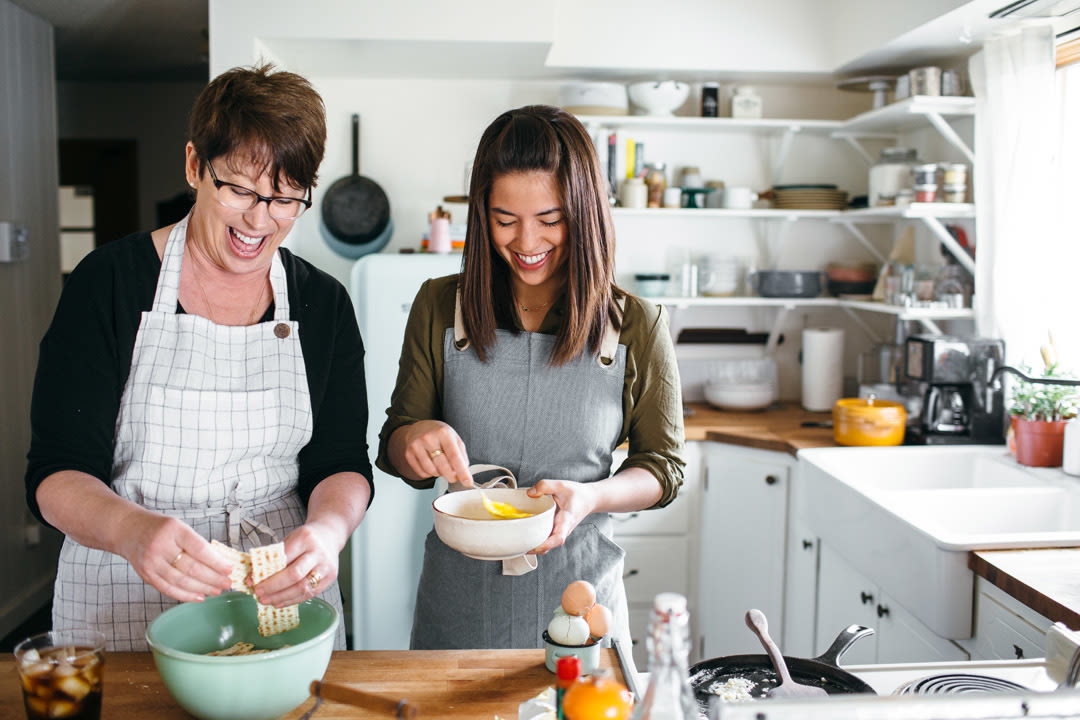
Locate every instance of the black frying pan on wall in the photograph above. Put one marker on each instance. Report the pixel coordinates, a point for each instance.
(355, 209)
(823, 671)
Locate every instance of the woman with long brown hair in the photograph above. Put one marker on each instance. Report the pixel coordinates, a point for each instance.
(534, 360)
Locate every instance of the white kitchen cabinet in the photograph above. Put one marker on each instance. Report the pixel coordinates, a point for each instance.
(1005, 629)
(846, 596)
(743, 535)
(800, 584)
(661, 551)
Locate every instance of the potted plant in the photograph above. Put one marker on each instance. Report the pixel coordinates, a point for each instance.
(1039, 413)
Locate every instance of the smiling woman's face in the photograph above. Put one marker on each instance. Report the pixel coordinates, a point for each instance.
(237, 241)
(528, 229)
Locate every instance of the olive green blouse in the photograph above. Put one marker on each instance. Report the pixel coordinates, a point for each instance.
(652, 396)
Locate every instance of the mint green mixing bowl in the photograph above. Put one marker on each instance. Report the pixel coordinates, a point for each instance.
(248, 687)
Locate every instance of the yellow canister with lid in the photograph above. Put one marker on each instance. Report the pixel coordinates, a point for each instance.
(868, 422)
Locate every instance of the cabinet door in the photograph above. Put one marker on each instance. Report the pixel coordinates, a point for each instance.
(904, 639)
(743, 532)
(800, 590)
(845, 597)
(1005, 629)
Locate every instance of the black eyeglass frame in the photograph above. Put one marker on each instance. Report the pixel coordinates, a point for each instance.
(218, 184)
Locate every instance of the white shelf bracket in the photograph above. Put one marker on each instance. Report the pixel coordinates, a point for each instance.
(782, 154)
(861, 237)
(863, 325)
(950, 135)
(929, 324)
(854, 142)
(774, 334)
(946, 239)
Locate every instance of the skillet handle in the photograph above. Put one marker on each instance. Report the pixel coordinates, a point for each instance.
(843, 643)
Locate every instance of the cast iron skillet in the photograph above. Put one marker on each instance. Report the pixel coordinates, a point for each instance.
(823, 671)
(355, 210)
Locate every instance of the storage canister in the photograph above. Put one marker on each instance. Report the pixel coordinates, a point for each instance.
(868, 422)
(925, 174)
(656, 182)
(925, 193)
(634, 193)
(925, 81)
(745, 103)
(954, 173)
(652, 284)
(891, 173)
(954, 193)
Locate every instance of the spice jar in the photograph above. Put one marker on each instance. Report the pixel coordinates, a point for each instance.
(710, 99)
(954, 173)
(891, 173)
(634, 193)
(656, 182)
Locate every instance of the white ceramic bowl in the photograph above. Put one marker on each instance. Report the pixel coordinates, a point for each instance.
(594, 98)
(740, 397)
(462, 522)
(661, 97)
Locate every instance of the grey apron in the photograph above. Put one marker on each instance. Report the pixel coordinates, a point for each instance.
(559, 423)
(210, 424)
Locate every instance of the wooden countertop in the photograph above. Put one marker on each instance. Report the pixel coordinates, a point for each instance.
(443, 683)
(1046, 580)
(778, 428)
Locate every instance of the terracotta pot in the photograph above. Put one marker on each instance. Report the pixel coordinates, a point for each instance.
(1038, 442)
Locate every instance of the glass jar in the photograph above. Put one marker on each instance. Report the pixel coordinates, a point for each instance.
(656, 182)
(891, 173)
(745, 103)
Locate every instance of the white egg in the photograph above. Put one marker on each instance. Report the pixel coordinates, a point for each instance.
(568, 630)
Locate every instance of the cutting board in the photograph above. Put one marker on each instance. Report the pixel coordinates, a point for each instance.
(443, 683)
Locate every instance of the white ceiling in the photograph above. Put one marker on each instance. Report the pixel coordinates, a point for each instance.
(127, 40)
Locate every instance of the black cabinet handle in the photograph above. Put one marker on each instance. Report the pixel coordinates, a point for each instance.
(866, 598)
(1019, 652)
(771, 479)
(882, 610)
(630, 573)
(807, 544)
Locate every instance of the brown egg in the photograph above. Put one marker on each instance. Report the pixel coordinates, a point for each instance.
(578, 597)
(599, 619)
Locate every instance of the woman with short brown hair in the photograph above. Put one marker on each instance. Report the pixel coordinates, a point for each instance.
(199, 383)
(535, 361)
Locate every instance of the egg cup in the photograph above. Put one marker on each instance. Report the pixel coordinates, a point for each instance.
(589, 654)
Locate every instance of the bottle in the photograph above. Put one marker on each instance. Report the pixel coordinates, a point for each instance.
(669, 696)
(656, 181)
(745, 103)
(710, 99)
(567, 672)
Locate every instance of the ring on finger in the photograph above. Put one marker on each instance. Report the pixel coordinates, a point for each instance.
(435, 453)
(177, 558)
(313, 579)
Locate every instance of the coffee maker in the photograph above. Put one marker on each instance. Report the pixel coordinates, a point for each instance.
(959, 403)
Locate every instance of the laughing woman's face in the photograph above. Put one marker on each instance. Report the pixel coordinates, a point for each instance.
(528, 229)
(237, 241)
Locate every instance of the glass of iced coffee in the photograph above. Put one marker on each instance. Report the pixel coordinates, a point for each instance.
(62, 673)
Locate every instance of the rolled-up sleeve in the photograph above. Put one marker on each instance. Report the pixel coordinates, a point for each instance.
(653, 401)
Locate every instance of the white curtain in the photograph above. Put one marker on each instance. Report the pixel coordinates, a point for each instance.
(1024, 268)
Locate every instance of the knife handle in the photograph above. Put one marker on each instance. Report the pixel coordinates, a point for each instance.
(358, 698)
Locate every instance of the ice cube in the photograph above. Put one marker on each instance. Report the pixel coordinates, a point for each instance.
(64, 708)
(73, 686)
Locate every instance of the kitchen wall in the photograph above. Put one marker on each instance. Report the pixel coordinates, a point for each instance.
(155, 115)
(28, 293)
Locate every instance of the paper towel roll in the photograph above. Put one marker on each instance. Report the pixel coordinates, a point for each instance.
(822, 368)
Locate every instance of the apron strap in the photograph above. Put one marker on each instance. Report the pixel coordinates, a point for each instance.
(609, 344)
(460, 341)
(237, 522)
(280, 287)
(168, 284)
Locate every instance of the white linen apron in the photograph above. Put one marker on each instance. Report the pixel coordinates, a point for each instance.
(517, 412)
(210, 424)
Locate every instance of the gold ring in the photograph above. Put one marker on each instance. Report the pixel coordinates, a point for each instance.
(177, 558)
(435, 453)
(314, 579)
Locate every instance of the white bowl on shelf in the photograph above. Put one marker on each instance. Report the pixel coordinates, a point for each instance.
(594, 98)
(659, 97)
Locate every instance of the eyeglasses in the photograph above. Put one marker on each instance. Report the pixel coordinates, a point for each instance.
(238, 197)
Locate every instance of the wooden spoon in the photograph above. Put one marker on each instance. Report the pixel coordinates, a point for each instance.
(755, 620)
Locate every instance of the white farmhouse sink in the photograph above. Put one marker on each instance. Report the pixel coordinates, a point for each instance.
(906, 518)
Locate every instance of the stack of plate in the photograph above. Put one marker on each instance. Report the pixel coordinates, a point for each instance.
(808, 197)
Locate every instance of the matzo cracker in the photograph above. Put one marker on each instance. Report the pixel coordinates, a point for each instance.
(241, 566)
(265, 561)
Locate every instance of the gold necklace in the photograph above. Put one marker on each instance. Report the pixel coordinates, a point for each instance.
(534, 307)
(210, 307)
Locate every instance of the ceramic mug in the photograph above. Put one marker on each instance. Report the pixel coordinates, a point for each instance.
(588, 654)
(739, 198)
